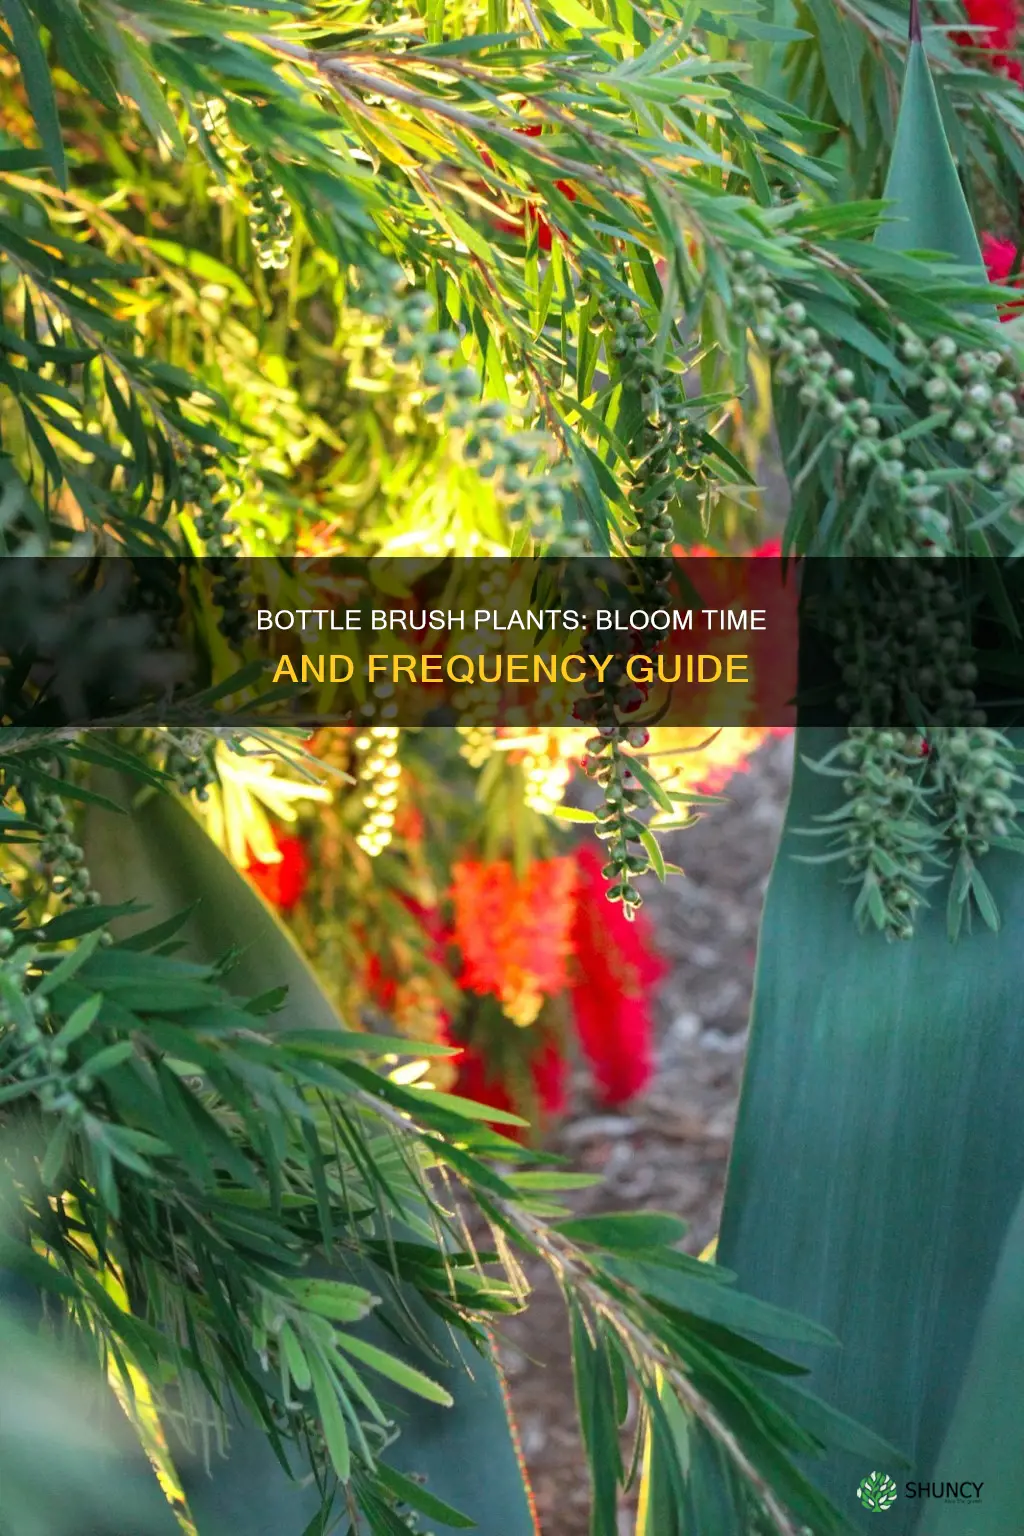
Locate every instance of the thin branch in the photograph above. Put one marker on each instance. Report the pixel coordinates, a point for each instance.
(532, 18)
(30, 741)
(567, 1262)
(537, 1233)
(379, 85)
(852, 276)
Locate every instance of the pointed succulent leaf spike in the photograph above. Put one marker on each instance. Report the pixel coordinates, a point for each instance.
(928, 209)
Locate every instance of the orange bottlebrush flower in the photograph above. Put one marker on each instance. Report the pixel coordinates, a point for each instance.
(409, 824)
(514, 934)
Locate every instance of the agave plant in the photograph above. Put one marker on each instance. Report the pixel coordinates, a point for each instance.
(875, 1181)
(69, 1460)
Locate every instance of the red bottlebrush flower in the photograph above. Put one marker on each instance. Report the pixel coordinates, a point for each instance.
(474, 1081)
(1003, 20)
(548, 1070)
(283, 882)
(771, 549)
(380, 979)
(999, 257)
(616, 968)
(378, 983)
(518, 226)
(615, 1033)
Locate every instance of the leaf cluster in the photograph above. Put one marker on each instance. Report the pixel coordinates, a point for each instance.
(222, 1205)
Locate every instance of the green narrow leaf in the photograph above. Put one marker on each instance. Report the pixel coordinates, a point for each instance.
(38, 84)
(646, 779)
(334, 1299)
(53, 1161)
(67, 967)
(595, 1400)
(545, 1182)
(139, 81)
(110, 1056)
(983, 897)
(654, 853)
(840, 63)
(298, 1365)
(418, 1498)
(332, 1419)
(755, 173)
(394, 1369)
(626, 1231)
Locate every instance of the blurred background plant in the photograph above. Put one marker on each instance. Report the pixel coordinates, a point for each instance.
(481, 922)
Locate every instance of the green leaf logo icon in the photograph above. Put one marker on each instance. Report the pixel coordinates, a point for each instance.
(877, 1492)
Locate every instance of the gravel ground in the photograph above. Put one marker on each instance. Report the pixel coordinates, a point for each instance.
(668, 1149)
